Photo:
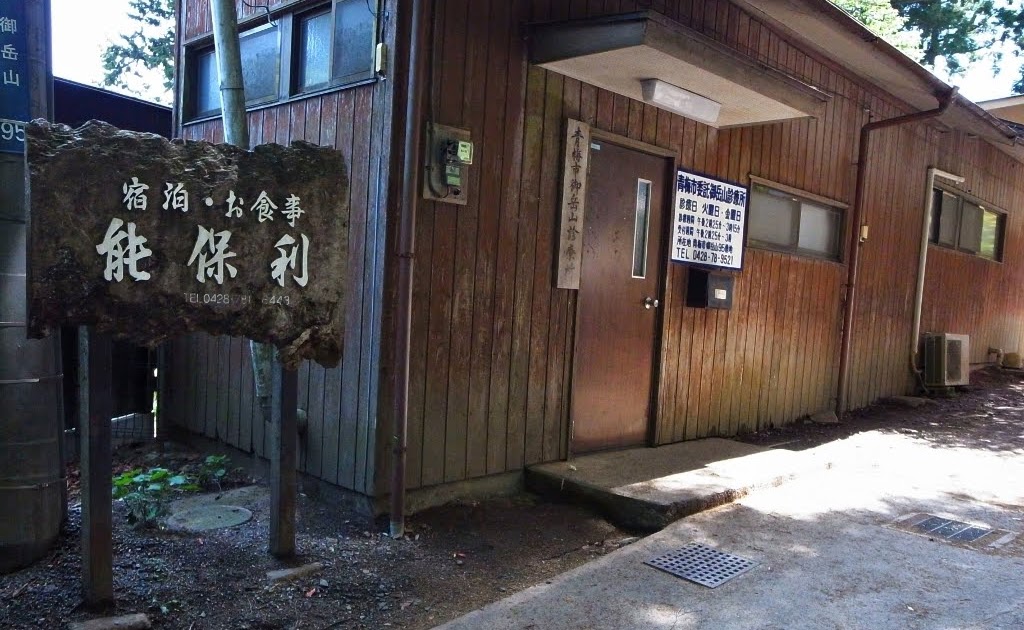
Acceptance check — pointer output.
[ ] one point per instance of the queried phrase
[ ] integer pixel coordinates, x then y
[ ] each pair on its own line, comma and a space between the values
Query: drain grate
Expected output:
702, 564
953, 531
949, 529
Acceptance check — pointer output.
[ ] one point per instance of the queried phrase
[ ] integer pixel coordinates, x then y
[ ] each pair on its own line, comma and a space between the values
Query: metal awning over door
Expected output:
620, 52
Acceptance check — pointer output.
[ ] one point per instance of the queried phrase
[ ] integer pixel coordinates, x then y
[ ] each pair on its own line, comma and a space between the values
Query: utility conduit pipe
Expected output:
406, 258
922, 260
945, 101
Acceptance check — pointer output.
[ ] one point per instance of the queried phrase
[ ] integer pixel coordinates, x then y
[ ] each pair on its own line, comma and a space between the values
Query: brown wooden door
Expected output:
617, 312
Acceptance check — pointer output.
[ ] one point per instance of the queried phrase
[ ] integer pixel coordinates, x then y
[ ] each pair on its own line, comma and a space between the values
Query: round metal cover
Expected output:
206, 517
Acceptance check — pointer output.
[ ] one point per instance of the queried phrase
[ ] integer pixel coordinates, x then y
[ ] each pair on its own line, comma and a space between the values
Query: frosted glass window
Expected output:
991, 235
949, 219
314, 51
260, 64
819, 228
354, 26
782, 220
322, 45
640, 228
970, 227
772, 217
207, 84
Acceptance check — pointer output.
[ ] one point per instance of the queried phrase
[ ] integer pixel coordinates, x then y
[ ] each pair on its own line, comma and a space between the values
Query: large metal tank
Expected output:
32, 487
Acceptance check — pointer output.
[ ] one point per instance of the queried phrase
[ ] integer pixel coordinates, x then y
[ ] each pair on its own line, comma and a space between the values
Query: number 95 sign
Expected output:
12, 136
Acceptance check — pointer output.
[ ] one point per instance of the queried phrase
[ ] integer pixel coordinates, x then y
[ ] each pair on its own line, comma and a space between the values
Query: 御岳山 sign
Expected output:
708, 221
14, 76
150, 238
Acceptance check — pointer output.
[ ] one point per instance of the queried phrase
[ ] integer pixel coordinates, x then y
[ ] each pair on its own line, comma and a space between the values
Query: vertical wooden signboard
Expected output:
574, 194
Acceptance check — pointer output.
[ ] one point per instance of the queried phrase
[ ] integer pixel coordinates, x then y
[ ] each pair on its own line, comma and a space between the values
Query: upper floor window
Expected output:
335, 46
787, 221
329, 46
965, 225
260, 50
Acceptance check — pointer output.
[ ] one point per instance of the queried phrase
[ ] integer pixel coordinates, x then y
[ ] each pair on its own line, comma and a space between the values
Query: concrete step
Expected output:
647, 488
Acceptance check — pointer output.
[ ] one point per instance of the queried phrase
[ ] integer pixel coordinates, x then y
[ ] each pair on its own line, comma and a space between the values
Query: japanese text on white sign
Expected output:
708, 223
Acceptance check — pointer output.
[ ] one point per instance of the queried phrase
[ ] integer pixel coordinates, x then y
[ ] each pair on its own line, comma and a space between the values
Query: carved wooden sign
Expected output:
574, 194
149, 238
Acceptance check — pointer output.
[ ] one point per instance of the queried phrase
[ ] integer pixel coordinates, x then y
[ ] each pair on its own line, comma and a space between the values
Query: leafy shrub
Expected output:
213, 471
146, 494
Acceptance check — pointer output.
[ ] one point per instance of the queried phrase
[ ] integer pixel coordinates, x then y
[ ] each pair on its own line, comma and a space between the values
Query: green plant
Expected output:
213, 470
146, 494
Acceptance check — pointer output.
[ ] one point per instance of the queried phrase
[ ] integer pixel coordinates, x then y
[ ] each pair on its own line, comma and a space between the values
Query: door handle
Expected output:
650, 303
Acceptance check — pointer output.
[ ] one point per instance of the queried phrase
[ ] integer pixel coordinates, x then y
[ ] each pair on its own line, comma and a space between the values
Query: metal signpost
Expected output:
15, 83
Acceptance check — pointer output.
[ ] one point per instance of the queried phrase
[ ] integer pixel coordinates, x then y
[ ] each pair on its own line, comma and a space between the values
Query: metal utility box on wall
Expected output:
449, 154
946, 359
707, 289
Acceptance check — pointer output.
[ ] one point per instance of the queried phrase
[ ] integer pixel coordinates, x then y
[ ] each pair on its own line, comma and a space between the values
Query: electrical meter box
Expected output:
707, 289
449, 154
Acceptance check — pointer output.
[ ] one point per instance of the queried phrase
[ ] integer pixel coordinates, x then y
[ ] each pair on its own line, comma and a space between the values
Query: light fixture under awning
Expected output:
620, 52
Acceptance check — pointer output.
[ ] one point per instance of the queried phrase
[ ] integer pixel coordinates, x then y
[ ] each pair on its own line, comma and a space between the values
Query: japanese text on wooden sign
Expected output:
708, 223
150, 238
14, 79
123, 248
574, 192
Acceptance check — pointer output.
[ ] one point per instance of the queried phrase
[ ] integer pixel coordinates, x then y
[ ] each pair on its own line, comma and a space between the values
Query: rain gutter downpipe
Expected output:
922, 261
863, 152
406, 258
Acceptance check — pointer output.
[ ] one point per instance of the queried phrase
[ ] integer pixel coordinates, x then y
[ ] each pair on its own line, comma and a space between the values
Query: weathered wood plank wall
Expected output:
493, 340
211, 383
967, 294
963, 293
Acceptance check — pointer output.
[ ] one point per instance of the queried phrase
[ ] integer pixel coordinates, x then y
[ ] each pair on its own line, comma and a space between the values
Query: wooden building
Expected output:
506, 368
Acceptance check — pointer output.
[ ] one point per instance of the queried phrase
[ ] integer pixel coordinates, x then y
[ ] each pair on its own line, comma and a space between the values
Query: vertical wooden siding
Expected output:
211, 383
963, 293
493, 340
967, 294
198, 21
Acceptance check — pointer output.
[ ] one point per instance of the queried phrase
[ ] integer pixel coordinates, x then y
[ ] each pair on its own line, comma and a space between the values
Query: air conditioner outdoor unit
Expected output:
946, 360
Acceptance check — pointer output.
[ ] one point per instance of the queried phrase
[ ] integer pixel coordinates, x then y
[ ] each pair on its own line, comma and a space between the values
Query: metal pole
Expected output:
855, 242
229, 65
406, 259
281, 403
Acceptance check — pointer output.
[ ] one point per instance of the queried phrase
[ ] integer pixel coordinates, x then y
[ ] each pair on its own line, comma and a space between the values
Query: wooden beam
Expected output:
95, 379
283, 443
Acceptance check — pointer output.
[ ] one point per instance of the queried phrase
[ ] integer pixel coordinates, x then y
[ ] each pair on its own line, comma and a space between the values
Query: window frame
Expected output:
286, 22
328, 8
837, 208
963, 198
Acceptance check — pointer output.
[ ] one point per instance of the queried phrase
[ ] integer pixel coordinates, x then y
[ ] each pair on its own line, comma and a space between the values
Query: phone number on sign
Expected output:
230, 299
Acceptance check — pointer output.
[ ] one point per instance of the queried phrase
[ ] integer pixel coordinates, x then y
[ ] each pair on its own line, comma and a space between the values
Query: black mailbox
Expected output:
707, 289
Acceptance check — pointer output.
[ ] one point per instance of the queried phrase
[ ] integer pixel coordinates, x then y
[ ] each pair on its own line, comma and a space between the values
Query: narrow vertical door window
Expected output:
641, 224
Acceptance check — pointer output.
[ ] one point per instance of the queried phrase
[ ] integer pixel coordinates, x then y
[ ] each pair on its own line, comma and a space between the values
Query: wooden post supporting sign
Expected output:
95, 370
283, 443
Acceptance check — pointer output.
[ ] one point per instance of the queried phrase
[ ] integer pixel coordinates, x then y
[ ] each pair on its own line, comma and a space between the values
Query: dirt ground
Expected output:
456, 558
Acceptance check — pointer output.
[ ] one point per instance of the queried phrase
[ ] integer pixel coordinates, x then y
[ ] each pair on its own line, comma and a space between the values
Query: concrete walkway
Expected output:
648, 488
830, 553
